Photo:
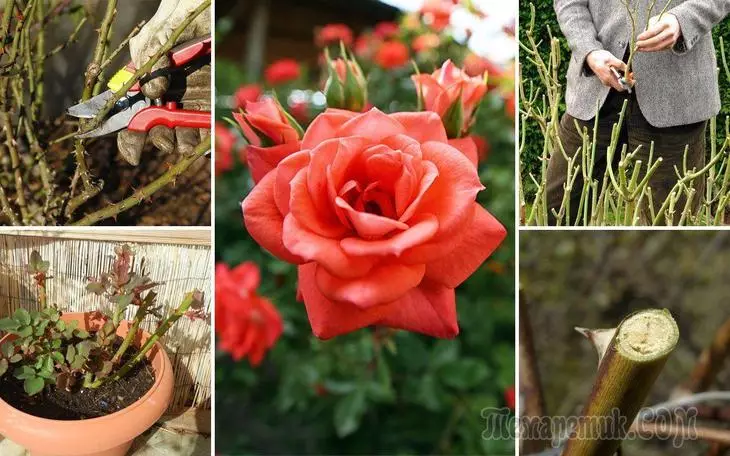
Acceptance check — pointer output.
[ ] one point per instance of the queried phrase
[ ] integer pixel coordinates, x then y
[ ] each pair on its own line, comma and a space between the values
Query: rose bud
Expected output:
346, 87
272, 133
453, 95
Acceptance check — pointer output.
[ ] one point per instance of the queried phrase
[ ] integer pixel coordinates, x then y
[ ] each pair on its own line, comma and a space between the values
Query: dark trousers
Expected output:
669, 143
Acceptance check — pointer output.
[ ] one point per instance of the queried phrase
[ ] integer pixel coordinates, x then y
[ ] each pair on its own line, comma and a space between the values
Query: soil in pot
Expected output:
82, 403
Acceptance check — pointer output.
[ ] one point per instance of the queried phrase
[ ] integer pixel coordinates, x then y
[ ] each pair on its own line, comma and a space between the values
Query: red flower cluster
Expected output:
392, 54
248, 325
282, 71
333, 34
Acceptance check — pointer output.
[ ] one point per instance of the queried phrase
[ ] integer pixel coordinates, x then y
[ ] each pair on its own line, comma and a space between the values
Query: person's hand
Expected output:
191, 89
663, 33
601, 62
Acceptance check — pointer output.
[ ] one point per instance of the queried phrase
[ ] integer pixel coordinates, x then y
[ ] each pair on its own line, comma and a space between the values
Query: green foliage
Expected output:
46, 350
546, 23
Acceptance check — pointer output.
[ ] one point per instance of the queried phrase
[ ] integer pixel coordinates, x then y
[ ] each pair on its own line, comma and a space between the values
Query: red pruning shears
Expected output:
134, 111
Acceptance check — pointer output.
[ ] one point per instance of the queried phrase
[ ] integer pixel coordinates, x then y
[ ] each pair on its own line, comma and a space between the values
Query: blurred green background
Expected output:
593, 279
373, 391
546, 22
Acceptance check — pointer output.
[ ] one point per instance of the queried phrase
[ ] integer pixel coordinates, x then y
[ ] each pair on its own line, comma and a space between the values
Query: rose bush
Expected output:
379, 212
337, 396
247, 325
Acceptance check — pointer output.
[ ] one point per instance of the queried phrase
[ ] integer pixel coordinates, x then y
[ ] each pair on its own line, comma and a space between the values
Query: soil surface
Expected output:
81, 403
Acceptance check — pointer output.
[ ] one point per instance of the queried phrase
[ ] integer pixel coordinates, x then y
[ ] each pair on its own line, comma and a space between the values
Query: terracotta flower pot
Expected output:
110, 435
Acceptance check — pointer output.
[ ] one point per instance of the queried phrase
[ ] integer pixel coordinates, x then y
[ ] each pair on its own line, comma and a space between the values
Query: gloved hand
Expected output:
190, 89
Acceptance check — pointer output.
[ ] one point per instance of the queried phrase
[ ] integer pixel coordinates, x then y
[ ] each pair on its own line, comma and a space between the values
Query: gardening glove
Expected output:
189, 87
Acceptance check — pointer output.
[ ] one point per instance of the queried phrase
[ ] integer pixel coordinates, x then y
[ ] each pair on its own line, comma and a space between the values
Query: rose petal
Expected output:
428, 309
276, 130
368, 225
455, 189
324, 126
336, 155
248, 132
374, 125
427, 181
422, 126
284, 174
417, 234
327, 252
323, 223
327, 318
261, 160
468, 147
384, 283
480, 239
263, 220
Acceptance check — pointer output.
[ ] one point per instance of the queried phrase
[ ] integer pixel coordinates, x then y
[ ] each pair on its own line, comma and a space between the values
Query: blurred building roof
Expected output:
289, 25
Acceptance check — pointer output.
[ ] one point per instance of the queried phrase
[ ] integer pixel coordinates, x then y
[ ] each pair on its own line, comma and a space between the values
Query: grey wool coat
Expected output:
673, 87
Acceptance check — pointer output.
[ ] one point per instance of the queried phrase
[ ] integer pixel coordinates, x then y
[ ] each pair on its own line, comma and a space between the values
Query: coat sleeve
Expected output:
576, 23
696, 19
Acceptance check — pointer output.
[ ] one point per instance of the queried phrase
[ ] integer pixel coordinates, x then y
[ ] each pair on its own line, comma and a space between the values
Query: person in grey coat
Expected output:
675, 93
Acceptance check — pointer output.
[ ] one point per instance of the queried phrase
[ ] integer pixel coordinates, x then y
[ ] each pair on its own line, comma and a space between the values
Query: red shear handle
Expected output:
189, 51
170, 117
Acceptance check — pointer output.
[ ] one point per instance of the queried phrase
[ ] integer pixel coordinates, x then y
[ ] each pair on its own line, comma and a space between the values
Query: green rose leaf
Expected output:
464, 374
7, 349
8, 324
3, 366
22, 316
348, 413
33, 385
24, 372
15, 358
25, 331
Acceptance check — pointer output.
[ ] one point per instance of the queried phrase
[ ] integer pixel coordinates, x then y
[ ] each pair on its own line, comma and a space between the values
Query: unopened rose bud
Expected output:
346, 87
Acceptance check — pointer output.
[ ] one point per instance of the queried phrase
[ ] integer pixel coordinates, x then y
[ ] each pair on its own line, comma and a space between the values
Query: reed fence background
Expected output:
181, 261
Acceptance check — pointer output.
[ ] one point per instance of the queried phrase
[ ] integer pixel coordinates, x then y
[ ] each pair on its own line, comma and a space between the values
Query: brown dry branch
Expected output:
531, 392
711, 361
628, 370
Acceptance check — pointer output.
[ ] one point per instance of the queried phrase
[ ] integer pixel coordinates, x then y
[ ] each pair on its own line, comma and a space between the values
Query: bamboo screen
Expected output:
178, 263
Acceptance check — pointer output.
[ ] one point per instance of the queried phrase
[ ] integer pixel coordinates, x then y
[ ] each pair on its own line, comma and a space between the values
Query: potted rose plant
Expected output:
87, 383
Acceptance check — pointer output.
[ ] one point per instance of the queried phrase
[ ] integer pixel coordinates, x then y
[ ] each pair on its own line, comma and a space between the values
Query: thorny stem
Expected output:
92, 73
189, 299
623, 195
147, 191
147, 67
132, 333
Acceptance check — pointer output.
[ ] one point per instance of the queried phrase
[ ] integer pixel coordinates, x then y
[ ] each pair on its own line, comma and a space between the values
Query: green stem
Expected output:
147, 191
132, 333
189, 299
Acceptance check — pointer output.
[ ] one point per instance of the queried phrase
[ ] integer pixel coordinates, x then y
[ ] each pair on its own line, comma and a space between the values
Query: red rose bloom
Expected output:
264, 121
224, 143
379, 213
437, 13
333, 34
247, 324
449, 85
282, 71
385, 30
392, 54
509, 397
246, 93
